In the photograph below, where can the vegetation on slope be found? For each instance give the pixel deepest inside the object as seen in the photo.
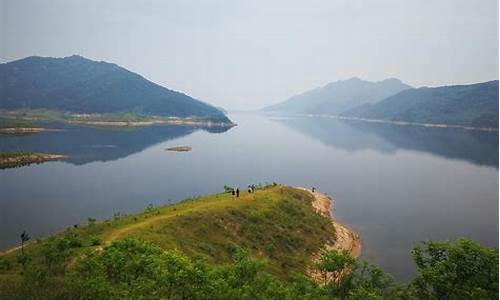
(275, 224)
(473, 105)
(79, 85)
(216, 247)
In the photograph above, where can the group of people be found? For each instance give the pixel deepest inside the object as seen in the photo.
(236, 192)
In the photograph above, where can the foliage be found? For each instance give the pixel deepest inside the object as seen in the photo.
(95, 240)
(468, 105)
(137, 270)
(276, 224)
(5, 264)
(259, 246)
(333, 265)
(456, 270)
(85, 86)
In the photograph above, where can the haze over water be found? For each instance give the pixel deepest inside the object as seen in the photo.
(395, 185)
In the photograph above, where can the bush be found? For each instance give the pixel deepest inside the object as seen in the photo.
(95, 240)
(456, 270)
(5, 265)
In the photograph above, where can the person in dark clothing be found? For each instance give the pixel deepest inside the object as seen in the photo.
(237, 192)
(233, 193)
(313, 189)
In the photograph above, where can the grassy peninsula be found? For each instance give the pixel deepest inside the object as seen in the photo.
(260, 245)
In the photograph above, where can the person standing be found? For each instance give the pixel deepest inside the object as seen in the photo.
(237, 192)
(233, 193)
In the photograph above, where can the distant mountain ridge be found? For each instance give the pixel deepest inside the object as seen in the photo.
(339, 96)
(79, 85)
(473, 105)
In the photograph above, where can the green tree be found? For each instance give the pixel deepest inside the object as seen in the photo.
(461, 269)
(333, 265)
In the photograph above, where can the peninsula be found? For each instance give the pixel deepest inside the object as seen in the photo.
(277, 242)
(19, 159)
(283, 225)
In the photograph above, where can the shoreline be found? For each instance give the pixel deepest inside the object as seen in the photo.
(345, 238)
(397, 123)
(428, 125)
(28, 159)
(25, 130)
(204, 124)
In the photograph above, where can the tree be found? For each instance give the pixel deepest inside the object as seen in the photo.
(461, 269)
(24, 238)
(333, 265)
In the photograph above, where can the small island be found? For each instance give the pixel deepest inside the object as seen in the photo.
(19, 159)
(180, 148)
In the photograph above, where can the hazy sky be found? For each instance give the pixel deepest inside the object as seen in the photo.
(247, 54)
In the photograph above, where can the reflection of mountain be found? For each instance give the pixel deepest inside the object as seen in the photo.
(478, 147)
(88, 144)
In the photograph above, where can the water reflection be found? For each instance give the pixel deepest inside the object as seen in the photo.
(394, 185)
(83, 144)
(478, 147)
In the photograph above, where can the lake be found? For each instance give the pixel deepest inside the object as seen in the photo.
(395, 185)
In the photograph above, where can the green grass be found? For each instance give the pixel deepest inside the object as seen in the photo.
(24, 117)
(4, 155)
(275, 224)
(15, 123)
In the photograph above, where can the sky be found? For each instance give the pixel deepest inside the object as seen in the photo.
(244, 55)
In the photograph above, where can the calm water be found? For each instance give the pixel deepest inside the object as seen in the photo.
(395, 185)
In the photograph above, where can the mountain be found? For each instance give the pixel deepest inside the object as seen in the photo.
(337, 97)
(468, 105)
(79, 85)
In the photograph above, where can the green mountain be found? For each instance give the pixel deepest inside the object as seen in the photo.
(337, 97)
(468, 105)
(79, 85)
